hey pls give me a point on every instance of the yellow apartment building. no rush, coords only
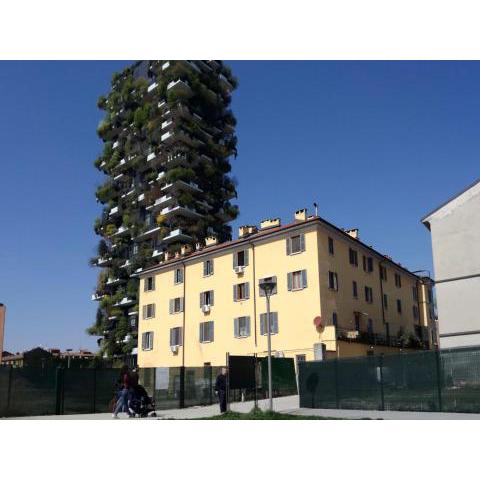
(335, 296)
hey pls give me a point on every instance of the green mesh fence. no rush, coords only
(446, 380)
(284, 381)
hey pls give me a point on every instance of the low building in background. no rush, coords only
(36, 358)
(335, 297)
(455, 231)
(2, 329)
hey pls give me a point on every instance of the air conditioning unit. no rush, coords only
(206, 308)
(174, 348)
(239, 269)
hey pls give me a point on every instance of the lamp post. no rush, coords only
(267, 285)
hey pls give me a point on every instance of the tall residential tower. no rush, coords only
(168, 135)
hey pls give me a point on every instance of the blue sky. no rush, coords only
(376, 144)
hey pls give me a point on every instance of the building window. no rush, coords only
(176, 305)
(334, 319)
(367, 264)
(368, 294)
(398, 280)
(383, 273)
(241, 291)
(206, 298)
(148, 311)
(385, 301)
(357, 321)
(399, 306)
(332, 281)
(415, 293)
(297, 280)
(274, 291)
(296, 244)
(178, 276)
(415, 312)
(355, 289)
(273, 323)
(241, 327)
(149, 284)
(176, 337)
(147, 341)
(387, 329)
(206, 332)
(370, 326)
(240, 259)
(207, 268)
(353, 257)
(331, 249)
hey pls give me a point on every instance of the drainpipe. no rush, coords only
(254, 294)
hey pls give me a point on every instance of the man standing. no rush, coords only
(221, 389)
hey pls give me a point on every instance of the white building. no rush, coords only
(455, 230)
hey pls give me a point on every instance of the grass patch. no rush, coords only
(264, 415)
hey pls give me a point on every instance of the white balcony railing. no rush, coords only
(151, 87)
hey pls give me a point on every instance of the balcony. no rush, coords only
(115, 145)
(177, 159)
(181, 185)
(161, 202)
(179, 86)
(124, 302)
(166, 137)
(152, 87)
(126, 264)
(165, 65)
(96, 297)
(114, 211)
(157, 253)
(150, 231)
(179, 210)
(166, 124)
(114, 281)
(225, 84)
(151, 156)
(189, 64)
(177, 236)
(180, 136)
(103, 261)
(121, 231)
(118, 177)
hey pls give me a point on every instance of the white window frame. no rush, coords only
(206, 328)
(178, 276)
(246, 327)
(147, 341)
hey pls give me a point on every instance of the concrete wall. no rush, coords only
(455, 230)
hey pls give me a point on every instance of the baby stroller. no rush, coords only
(140, 403)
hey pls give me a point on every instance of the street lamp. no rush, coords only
(267, 285)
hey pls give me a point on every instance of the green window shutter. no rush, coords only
(171, 305)
(274, 291)
(212, 331)
(289, 281)
(304, 279)
(289, 246)
(302, 242)
(247, 326)
(200, 335)
(236, 329)
(171, 337)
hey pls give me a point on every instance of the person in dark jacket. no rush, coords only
(125, 384)
(221, 390)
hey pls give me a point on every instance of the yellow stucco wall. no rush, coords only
(296, 309)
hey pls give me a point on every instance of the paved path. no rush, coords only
(283, 405)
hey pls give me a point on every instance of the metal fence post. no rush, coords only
(59, 391)
(210, 384)
(9, 390)
(94, 389)
(337, 396)
(382, 393)
(182, 388)
(439, 379)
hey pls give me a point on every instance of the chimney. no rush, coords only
(211, 240)
(198, 246)
(185, 249)
(269, 223)
(246, 230)
(354, 233)
(301, 215)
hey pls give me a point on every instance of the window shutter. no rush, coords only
(262, 323)
(144, 312)
(170, 307)
(181, 304)
(235, 260)
(205, 268)
(302, 242)
(181, 275)
(247, 290)
(289, 281)
(201, 299)
(274, 288)
(212, 332)
(200, 335)
(180, 335)
(289, 246)
(304, 279)
(211, 298)
(274, 323)
(153, 310)
(153, 283)
(171, 336)
(211, 267)
(145, 285)
(236, 329)
(234, 293)
(143, 341)
(261, 293)
(247, 326)
(246, 257)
